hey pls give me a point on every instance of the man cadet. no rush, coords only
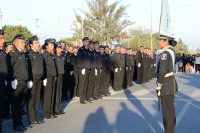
(36, 71)
(59, 59)
(49, 78)
(116, 59)
(83, 59)
(8, 47)
(166, 83)
(20, 76)
(139, 60)
(3, 75)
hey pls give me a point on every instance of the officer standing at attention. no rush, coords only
(166, 82)
(60, 61)
(36, 71)
(83, 59)
(20, 76)
(3, 75)
(49, 79)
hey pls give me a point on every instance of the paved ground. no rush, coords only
(134, 110)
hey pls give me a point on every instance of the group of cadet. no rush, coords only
(56, 72)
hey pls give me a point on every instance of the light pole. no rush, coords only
(1, 16)
(151, 26)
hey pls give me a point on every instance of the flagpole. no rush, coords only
(160, 19)
(151, 27)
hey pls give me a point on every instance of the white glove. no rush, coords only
(126, 68)
(95, 72)
(14, 84)
(83, 71)
(120, 68)
(45, 82)
(130, 68)
(139, 64)
(154, 65)
(6, 83)
(71, 73)
(30, 84)
(116, 70)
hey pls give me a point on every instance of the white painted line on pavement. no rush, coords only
(182, 113)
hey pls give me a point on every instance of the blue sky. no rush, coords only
(185, 16)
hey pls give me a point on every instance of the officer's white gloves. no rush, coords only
(6, 83)
(30, 84)
(14, 84)
(126, 68)
(158, 88)
(139, 64)
(154, 65)
(83, 71)
(45, 82)
(116, 70)
(71, 73)
(95, 72)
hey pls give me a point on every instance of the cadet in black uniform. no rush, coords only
(8, 47)
(166, 82)
(98, 72)
(129, 74)
(84, 66)
(49, 79)
(139, 60)
(59, 81)
(3, 75)
(92, 72)
(36, 71)
(116, 62)
(18, 81)
(75, 70)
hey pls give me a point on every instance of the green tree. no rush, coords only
(12, 31)
(181, 47)
(142, 37)
(103, 22)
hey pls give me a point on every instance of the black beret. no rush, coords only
(1, 32)
(19, 36)
(50, 40)
(85, 38)
(33, 38)
(9, 43)
(101, 46)
(106, 46)
(61, 41)
(58, 45)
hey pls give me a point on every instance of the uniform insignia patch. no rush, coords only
(163, 56)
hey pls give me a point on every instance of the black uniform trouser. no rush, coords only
(48, 99)
(97, 89)
(122, 78)
(34, 100)
(83, 84)
(58, 93)
(139, 74)
(105, 81)
(2, 92)
(76, 81)
(169, 116)
(91, 83)
(8, 98)
(116, 80)
(18, 99)
(129, 76)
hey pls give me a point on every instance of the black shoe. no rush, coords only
(33, 123)
(61, 112)
(19, 128)
(54, 116)
(95, 98)
(39, 122)
(83, 102)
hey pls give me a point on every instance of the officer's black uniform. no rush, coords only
(84, 66)
(122, 71)
(3, 76)
(49, 91)
(98, 92)
(75, 73)
(166, 80)
(91, 75)
(116, 59)
(129, 74)
(19, 60)
(139, 60)
(36, 69)
(59, 82)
